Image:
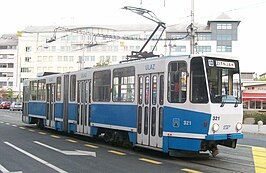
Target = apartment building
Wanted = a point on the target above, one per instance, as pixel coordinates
(8, 64)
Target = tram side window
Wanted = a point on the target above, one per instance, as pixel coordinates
(41, 90)
(124, 84)
(198, 82)
(72, 88)
(101, 86)
(177, 86)
(33, 90)
(58, 89)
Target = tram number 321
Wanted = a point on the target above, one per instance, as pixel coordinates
(187, 123)
(215, 118)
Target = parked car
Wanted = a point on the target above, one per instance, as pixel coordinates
(5, 105)
(16, 106)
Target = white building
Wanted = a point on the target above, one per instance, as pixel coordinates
(8, 63)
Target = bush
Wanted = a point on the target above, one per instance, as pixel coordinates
(258, 116)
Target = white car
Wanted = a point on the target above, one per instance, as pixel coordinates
(16, 106)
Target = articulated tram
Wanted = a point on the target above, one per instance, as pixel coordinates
(174, 104)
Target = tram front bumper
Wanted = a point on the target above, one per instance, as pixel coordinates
(215, 137)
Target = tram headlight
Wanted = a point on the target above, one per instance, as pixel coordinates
(215, 127)
(238, 126)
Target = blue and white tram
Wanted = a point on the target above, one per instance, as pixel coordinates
(173, 104)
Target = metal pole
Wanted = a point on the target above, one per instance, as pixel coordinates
(192, 32)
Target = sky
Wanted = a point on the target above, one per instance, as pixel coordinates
(17, 15)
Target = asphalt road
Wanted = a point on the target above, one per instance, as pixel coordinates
(25, 148)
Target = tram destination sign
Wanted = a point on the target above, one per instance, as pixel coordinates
(219, 63)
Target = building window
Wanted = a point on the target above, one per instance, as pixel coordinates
(252, 104)
(113, 58)
(245, 104)
(3, 65)
(27, 59)
(28, 49)
(25, 70)
(39, 59)
(51, 58)
(65, 58)
(258, 104)
(59, 58)
(102, 85)
(101, 58)
(152, 47)
(203, 37)
(224, 37)
(224, 49)
(178, 49)
(203, 48)
(71, 58)
(108, 58)
(224, 26)
(264, 105)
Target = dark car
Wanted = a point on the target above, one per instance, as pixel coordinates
(16, 106)
(5, 105)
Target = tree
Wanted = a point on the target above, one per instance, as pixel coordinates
(3, 93)
(10, 93)
(102, 63)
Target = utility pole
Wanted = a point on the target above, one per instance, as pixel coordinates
(192, 29)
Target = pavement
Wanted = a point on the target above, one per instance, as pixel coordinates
(252, 128)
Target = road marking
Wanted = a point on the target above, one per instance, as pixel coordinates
(54, 136)
(7, 124)
(91, 146)
(36, 158)
(4, 170)
(190, 170)
(31, 130)
(42, 133)
(241, 145)
(259, 157)
(14, 125)
(116, 152)
(150, 161)
(72, 153)
(23, 128)
(70, 140)
(2, 122)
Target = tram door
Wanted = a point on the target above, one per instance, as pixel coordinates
(65, 102)
(150, 109)
(50, 103)
(83, 107)
(25, 108)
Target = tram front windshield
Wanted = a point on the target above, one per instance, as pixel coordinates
(223, 80)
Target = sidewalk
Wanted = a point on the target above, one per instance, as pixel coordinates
(248, 128)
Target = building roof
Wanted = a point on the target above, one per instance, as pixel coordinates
(223, 18)
(183, 28)
(118, 28)
(9, 40)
